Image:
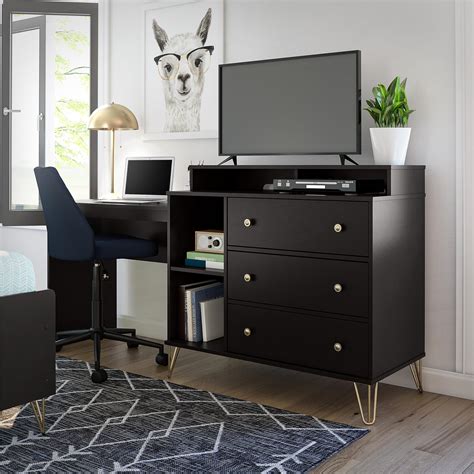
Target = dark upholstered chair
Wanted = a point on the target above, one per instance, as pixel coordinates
(71, 238)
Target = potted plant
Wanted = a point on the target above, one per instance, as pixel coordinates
(390, 111)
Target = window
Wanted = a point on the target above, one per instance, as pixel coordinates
(49, 88)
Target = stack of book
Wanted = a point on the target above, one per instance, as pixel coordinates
(207, 260)
(201, 307)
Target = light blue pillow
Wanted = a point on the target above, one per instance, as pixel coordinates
(16, 274)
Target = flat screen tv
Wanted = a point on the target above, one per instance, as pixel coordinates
(306, 105)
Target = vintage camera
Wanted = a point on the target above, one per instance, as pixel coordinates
(209, 241)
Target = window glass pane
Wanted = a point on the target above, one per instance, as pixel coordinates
(67, 100)
(51, 86)
(25, 104)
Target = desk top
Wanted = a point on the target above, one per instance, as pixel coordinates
(153, 211)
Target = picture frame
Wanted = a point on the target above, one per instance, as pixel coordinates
(184, 45)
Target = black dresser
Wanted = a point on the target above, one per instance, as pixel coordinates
(329, 284)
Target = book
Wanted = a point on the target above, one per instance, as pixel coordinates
(215, 265)
(194, 296)
(210, 257)
(191, 262)
(212, 319)
(198, 295)
(182, 314)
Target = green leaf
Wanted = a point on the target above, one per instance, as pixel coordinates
(394, 85)
(370, 103)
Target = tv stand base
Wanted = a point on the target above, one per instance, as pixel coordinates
(229, 158)
(344, 157)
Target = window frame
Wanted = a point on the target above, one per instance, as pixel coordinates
(10, 217)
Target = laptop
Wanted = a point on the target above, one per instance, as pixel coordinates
(146, 180)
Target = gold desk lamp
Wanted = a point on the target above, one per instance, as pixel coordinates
(112, 117)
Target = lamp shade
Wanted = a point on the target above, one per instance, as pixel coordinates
(113, 117)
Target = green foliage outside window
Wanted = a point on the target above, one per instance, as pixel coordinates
(71, 135)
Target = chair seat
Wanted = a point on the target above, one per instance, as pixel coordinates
(123, 246)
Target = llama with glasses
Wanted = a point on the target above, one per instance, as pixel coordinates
(182, 67)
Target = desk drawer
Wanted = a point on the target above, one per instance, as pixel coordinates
(301, 225)
(299, 339)
(297, 282)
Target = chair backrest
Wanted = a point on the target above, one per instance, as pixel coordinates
(70, 237)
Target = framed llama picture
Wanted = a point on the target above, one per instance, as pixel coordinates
(184, 44)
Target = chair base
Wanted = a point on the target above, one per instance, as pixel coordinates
(127, 335)
(98, 332)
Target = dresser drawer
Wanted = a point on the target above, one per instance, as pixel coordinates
(302, 225)
(298, 282)
(299, 339)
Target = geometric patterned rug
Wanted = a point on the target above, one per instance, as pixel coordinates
(137, 424)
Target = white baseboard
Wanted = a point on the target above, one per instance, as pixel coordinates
(145, 328)
(437, 381)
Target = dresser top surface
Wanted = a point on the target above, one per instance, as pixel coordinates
(318, 197)
(309, 167)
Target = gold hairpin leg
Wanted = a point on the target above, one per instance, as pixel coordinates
(39, 409)
(174, 358)
(371, 404)
(416, 372)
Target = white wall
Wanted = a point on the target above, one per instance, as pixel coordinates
(421, 47)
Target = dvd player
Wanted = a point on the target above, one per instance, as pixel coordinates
(334, 185)
(374, 187)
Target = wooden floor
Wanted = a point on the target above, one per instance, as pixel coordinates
(414, 433)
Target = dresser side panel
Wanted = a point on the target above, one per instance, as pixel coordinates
(398, 279)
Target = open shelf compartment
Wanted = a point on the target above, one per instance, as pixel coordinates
(188, 214)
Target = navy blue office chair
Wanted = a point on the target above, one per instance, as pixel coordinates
(71, 238)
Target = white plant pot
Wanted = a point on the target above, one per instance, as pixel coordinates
(390, 145)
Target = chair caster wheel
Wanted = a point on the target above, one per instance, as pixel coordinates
(99, 376)
(59, 348)
(162, 359)
(132, 345)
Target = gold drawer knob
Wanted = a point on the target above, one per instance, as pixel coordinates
(247, 278)
(337, 287)
(337, 228)
(338, 347)
(247, 332)
(247, 222)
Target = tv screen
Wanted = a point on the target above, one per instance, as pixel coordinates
(290, 106)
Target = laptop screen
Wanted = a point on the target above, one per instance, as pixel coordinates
(148, 177)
